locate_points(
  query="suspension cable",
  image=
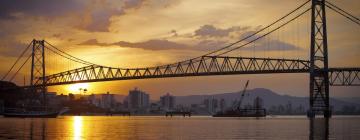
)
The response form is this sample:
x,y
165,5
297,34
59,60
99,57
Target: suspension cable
x,y
343,13
266,33
68,57
78,59
243,39
342,10
20,68
262,29
17,60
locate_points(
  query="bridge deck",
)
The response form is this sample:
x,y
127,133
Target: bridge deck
x,y
204,66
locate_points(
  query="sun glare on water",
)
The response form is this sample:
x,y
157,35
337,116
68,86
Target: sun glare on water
x,y
78,127
78,88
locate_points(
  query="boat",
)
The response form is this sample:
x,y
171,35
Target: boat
x,y
33,113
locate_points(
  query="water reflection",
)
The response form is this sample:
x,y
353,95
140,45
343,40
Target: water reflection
x,y
43,129
33,131
77,127
116,127
319,129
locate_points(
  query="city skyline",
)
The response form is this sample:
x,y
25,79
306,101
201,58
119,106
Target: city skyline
x,y
138,101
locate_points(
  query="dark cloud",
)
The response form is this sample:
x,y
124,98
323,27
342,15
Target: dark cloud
x,y
92,15
45,8
93,42
212,38
160,44
100,20
156,44
276,45
210,45
174,33
202,45
248,33
212,31
99,16
133,3
153,45
57,35
12,48
270,45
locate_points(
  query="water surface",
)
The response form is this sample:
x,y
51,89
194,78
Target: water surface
x,y
162,128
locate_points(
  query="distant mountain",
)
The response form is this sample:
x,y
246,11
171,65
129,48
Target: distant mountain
x,y
355,100
269,97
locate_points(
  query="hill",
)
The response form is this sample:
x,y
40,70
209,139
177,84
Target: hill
x,y
269,97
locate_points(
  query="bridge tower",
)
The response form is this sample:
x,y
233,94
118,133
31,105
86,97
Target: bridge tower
x,y
37,79
319,78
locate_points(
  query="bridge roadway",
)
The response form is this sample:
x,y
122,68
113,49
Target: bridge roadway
x,y
202,66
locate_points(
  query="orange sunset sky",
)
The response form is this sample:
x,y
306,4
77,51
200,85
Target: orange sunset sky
x,y
141,33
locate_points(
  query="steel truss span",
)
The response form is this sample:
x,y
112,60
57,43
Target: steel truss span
x,y
204,66
344,76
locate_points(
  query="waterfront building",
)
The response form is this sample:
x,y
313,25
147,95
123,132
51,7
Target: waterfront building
x,y
211,104
222,105
138,100
107,100
92,100
62,97
167,102
259,103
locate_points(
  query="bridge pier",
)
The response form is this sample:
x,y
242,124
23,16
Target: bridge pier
x,y
312,114
38,70
319,71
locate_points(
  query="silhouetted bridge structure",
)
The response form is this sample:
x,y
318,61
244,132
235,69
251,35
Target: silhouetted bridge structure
x,y
217,62
206,66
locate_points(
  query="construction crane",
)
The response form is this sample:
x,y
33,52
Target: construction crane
x,y
237,111
237,105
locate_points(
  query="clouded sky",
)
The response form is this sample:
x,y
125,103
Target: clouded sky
x,y
140,33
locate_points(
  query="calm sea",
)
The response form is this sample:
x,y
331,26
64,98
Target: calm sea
x,y
162,128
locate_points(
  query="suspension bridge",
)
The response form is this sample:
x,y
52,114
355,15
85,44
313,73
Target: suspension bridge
x,y
218,62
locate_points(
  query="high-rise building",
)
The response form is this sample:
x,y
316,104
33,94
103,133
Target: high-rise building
x,y
222,105
258,103
167,102
211,105
107,100
207,103
92,99
214,104
138,99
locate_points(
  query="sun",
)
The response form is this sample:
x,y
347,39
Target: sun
x,y
78,88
